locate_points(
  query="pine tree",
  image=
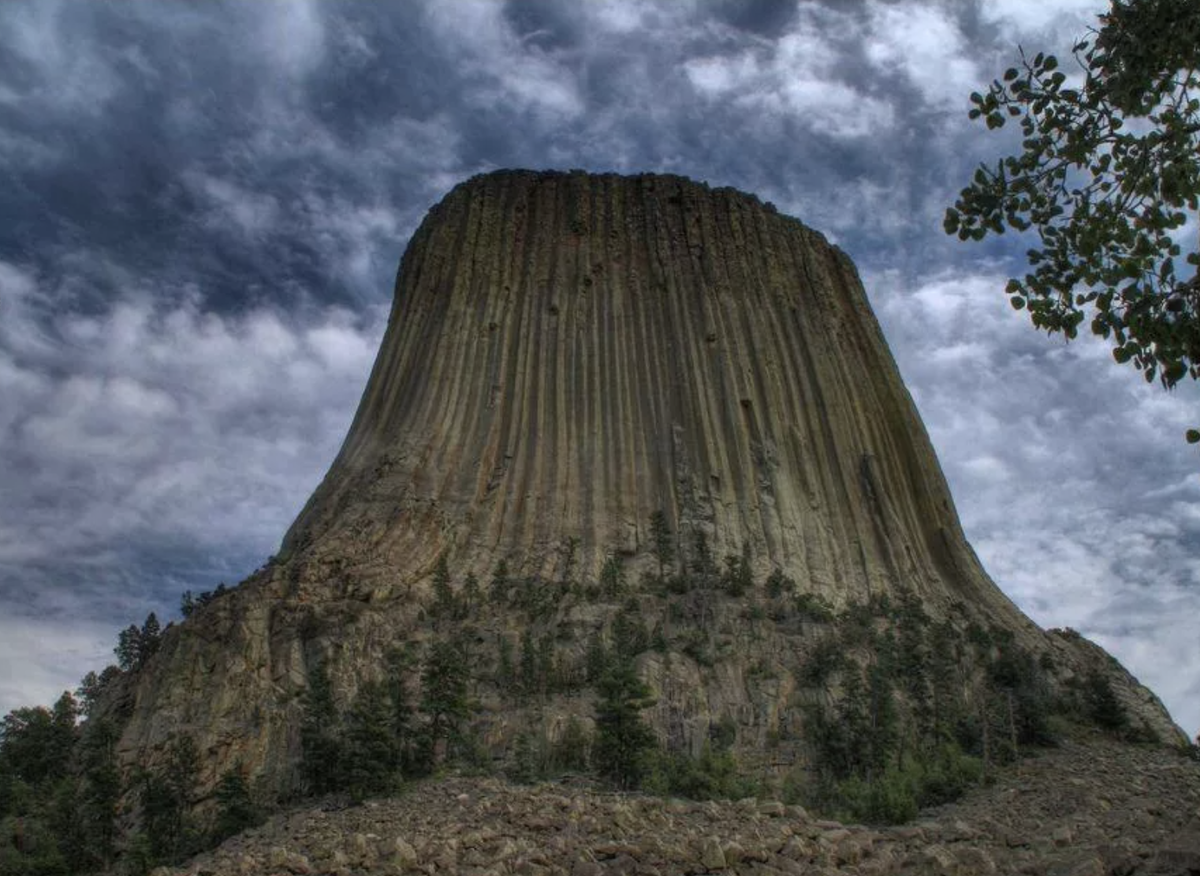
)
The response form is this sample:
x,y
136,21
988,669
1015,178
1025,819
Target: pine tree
x,y
235,807
612,578
149,638
443,698
596,660
371,757
128,648
101,792
470,594
88,692
399,663
443,593
166,797
570,752
504,665
662,542
501,582
623,739
320,741
738,578
529,679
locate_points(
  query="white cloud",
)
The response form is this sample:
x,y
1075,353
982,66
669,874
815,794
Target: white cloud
x,y
1060,19
923,42
71,76
506,70
134,416
42,657
292,33
801,76
233,208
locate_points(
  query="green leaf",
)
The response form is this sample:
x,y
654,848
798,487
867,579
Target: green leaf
x,y
1017,302
1193,436
1011,73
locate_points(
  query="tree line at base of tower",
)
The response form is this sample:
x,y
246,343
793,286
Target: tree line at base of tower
x,y
901,711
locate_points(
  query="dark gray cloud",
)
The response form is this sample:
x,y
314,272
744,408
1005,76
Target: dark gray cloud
x,y
204,206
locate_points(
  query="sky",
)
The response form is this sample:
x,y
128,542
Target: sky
x,y
203,206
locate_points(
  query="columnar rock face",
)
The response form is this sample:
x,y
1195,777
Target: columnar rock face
x,y
568,355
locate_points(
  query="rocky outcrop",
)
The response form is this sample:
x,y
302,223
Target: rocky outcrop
x,y
1087,809
568,355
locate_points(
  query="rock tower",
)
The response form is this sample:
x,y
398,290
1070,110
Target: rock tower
x,y
568,356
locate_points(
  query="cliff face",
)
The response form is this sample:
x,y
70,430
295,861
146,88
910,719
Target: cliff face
x,y
567,355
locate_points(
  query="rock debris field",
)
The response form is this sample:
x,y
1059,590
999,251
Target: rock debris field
x,y
1085,809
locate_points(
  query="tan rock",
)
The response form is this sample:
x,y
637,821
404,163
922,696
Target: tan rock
x,y
712,855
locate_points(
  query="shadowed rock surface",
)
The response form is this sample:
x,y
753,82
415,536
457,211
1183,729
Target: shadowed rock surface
x,y
568,354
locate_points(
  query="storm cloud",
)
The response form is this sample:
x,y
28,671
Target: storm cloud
x,y
204,206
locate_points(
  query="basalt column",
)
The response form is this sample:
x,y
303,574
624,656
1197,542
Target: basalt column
x,y
569,353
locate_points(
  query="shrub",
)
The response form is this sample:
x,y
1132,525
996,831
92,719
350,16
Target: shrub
x,y
711,776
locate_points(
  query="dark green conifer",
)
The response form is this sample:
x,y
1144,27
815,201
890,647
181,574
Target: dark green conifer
x,y
235,806
444,699
320,741
623,739
371,759
662,542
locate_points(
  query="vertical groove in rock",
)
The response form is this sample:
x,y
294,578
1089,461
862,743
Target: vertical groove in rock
x,y
569,353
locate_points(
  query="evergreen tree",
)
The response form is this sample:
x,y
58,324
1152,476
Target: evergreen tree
x,y
320,742
128,648
166,797
101,792
545,666
470,594
570,551
371,757
529,673
501,582
778,584
612,578
235,807
623,739
596,660
504,665
149,639
399,663
1102,704
88,692
738,578
570,752
444,701
443,593
662,542
135,646
64,819
524,768
702,568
